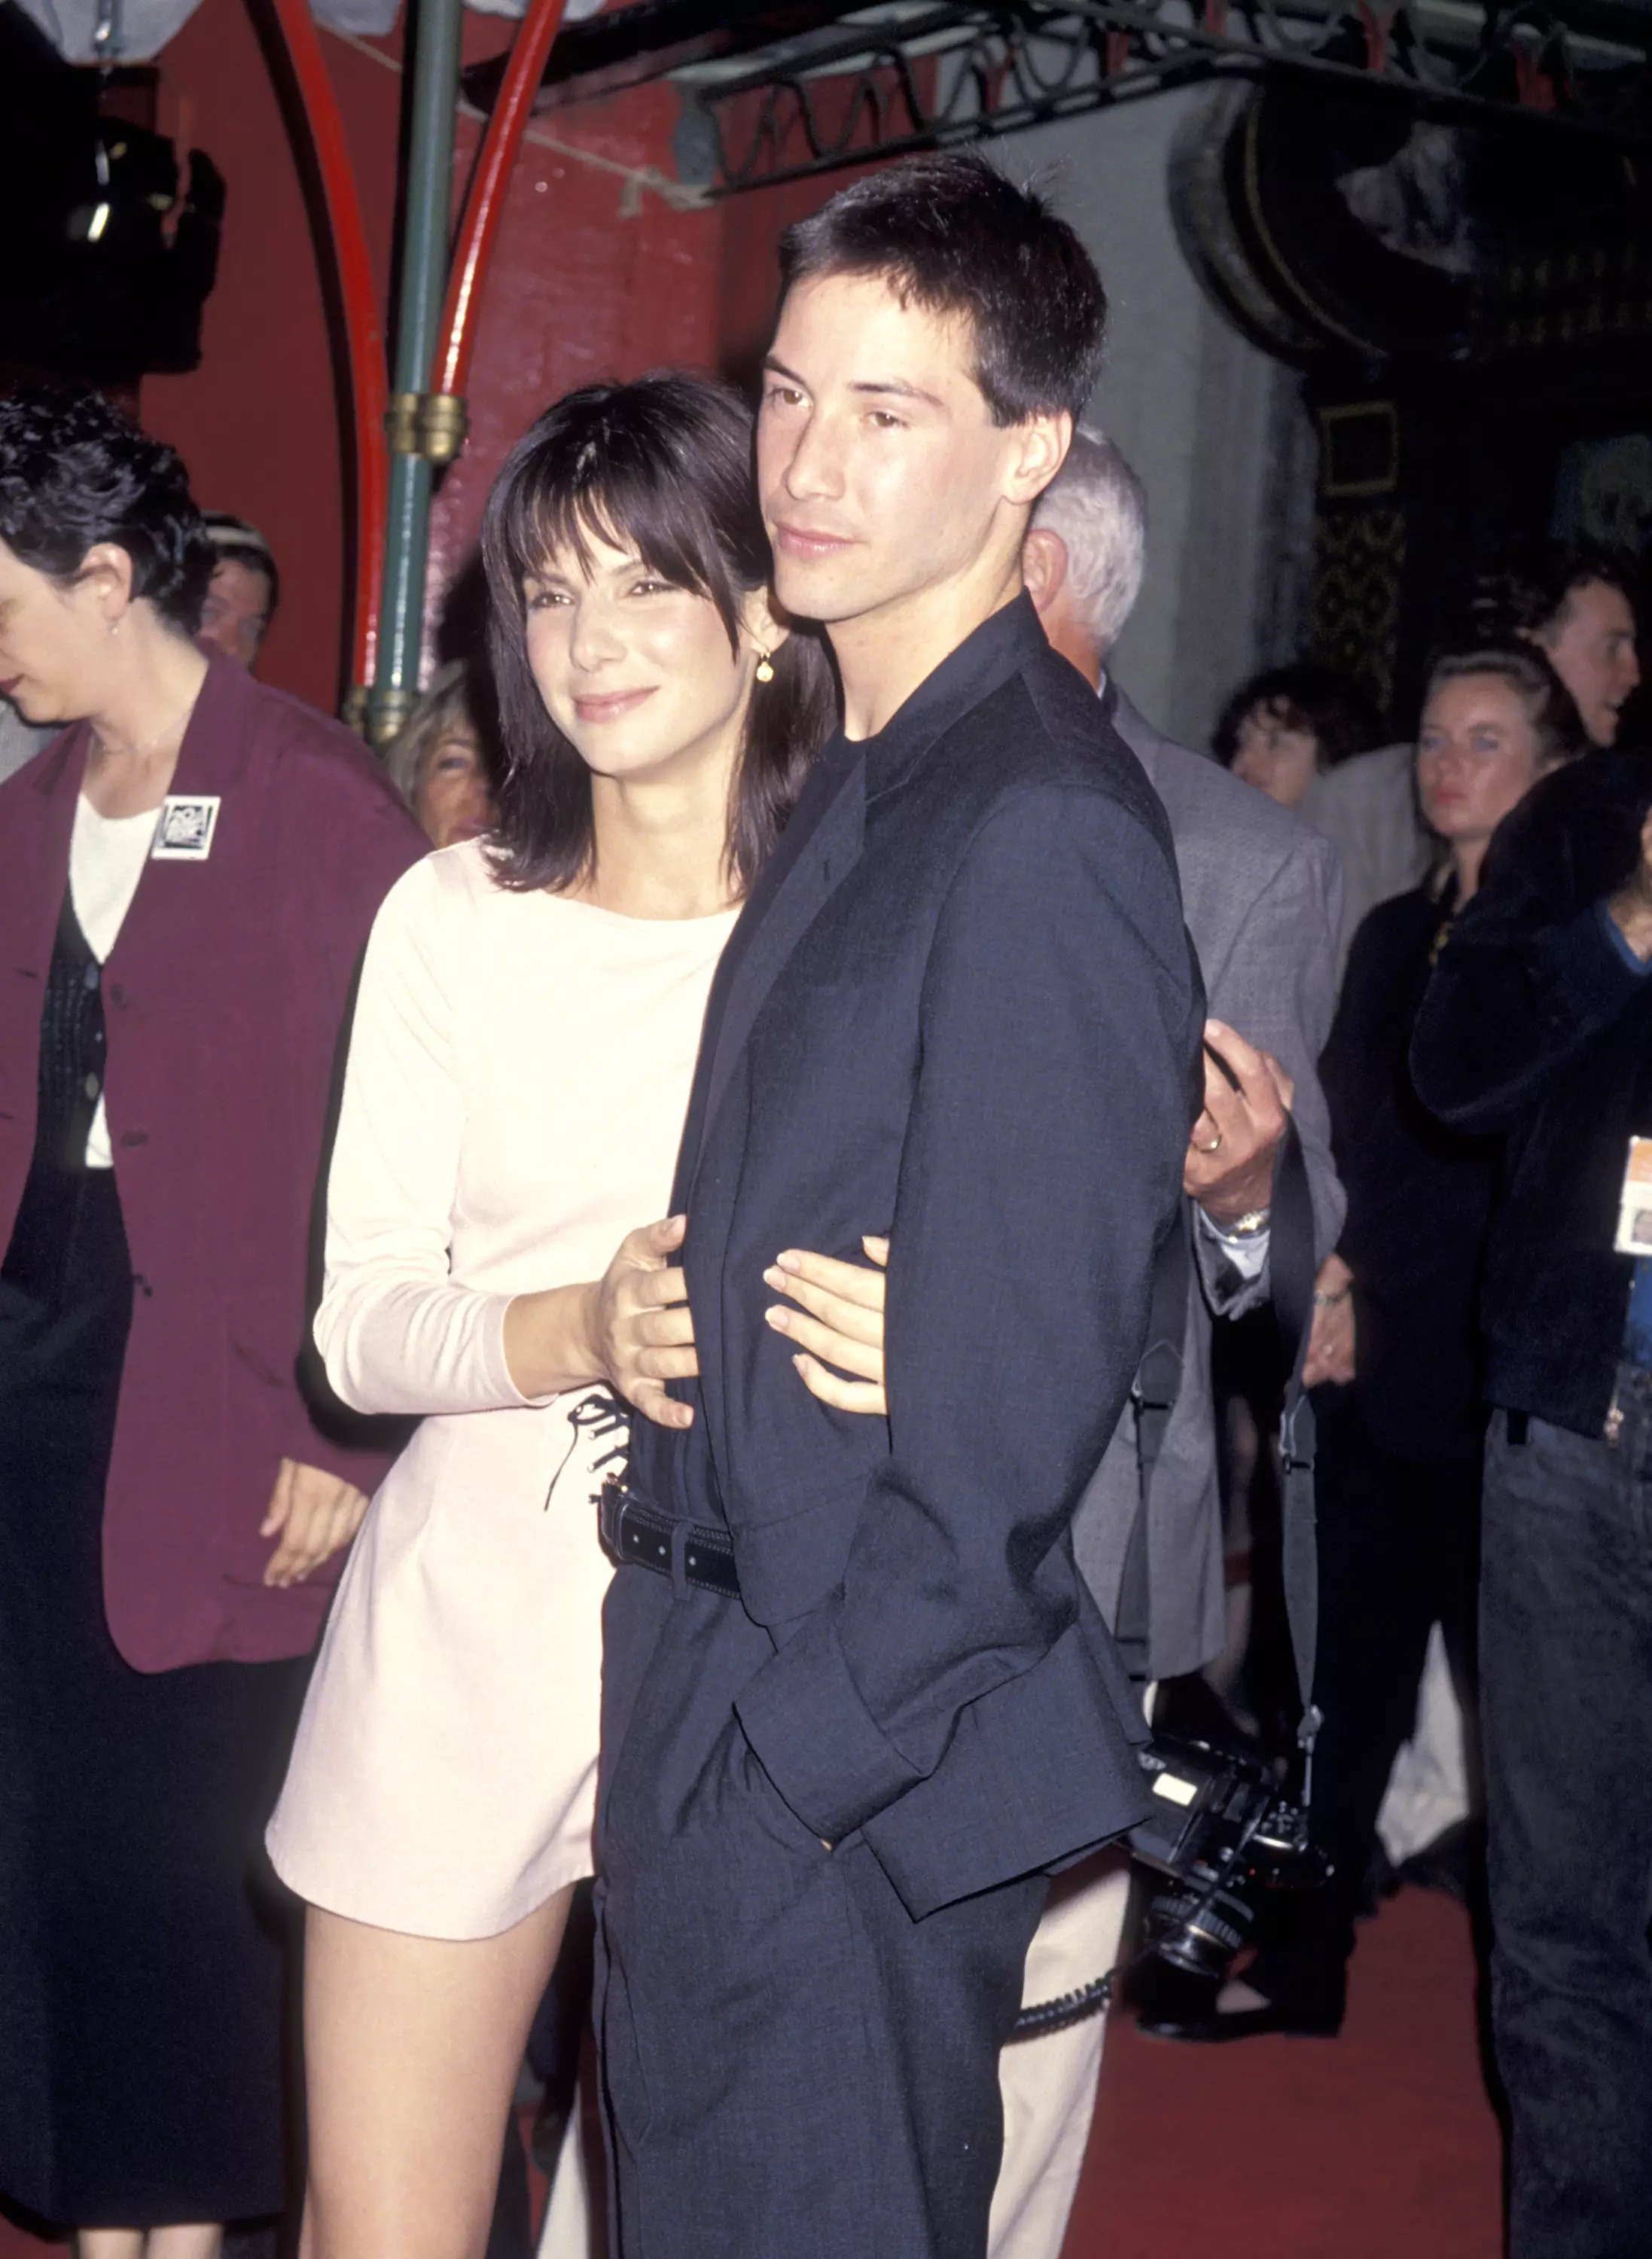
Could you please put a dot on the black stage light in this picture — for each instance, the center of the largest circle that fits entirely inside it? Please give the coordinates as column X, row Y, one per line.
column 106, row 273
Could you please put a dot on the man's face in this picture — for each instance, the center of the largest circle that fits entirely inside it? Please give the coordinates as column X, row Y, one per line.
column 1590, row 646
column 881, row 472
column 236, row 612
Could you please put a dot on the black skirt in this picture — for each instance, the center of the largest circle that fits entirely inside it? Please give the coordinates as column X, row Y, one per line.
column 143, row 1941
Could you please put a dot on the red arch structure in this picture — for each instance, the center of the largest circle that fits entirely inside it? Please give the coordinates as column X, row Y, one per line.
column 347, row 248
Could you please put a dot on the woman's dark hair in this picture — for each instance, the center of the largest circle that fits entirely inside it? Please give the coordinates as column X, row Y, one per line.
column 948, row 231
column 73, row 471
column 662, row 466
column 1547, row 703
column 1315, row 699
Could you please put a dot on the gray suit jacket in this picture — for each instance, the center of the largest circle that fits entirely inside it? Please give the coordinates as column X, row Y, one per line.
column 1261, row 894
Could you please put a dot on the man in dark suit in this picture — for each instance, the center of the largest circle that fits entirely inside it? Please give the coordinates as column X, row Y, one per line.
column 870, row 1700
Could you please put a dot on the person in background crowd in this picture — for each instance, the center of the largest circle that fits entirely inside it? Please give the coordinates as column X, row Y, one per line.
column 1261, row 894
column 187, row 878
column 1537, row 1029
column 244, row 591
column 1283, row 729
column 1400, row 1425
column 1577, row 605
column 437, row 762
column 1298, row 734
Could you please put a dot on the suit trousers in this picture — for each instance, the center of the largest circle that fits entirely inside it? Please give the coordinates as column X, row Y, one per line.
column 1566, row 1699
column 791, row 2062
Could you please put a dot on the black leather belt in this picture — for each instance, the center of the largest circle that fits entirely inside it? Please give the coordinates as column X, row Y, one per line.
column 639, row 1537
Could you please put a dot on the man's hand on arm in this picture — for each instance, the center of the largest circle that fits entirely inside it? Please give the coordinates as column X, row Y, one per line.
column 1228, row 1170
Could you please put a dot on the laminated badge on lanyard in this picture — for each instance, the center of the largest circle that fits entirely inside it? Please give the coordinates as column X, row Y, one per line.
column 184, row 833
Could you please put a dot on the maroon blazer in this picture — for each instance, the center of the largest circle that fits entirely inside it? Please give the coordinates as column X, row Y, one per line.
column 223, row 999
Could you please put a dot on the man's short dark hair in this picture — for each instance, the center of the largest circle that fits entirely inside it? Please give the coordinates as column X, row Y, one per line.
column 74, row 472
column 1528, row 589
column 951, row 233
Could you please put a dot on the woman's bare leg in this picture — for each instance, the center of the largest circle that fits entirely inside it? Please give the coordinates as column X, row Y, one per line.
column 411, row 2049
column 199, row 2240
column 196, row 2240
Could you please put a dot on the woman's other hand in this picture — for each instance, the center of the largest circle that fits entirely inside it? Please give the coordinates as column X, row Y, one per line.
column 316, row 1515
column 631, row 1328
column 642, row 1330
column 839, row 1321
column 1330, row 1355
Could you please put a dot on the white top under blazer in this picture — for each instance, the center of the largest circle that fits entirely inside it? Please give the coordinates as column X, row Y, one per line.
column 517, row 1078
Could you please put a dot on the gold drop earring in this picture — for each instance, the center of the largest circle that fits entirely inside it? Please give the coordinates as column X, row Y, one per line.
column 765, row 667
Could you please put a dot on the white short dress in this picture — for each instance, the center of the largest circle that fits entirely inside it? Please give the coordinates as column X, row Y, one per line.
column 518, row 1075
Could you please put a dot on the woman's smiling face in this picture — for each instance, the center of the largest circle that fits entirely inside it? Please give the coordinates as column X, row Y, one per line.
column 640, row 676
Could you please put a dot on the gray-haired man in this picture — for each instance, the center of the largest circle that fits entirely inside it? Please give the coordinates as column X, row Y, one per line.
column 1261, row 896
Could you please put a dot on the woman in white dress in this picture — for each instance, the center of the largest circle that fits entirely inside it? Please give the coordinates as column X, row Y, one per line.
column 528, row 1015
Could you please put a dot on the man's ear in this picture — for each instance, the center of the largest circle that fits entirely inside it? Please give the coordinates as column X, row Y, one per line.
column 1043, row 565
column 1040, row 449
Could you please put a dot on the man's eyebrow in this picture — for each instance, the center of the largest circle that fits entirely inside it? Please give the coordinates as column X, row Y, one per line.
column 892, row 387
column 889, row 387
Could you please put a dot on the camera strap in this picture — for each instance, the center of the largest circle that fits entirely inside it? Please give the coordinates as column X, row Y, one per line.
column 1153, row 1395
column 1291, row 1274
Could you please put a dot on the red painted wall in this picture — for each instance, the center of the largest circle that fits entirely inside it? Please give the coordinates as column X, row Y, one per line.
column 590, row 278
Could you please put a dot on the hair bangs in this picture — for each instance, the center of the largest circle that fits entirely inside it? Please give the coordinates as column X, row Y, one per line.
column 603, row 487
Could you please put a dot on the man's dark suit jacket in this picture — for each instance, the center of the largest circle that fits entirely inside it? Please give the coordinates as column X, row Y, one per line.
column 961, row 1009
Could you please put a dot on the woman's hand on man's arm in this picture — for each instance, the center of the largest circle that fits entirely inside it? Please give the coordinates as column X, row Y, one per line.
column 839, row 1322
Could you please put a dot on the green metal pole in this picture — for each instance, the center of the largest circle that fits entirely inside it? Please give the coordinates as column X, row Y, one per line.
column 429, row 189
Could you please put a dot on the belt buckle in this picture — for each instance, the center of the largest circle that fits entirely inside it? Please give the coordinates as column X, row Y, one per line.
column 611, row 1502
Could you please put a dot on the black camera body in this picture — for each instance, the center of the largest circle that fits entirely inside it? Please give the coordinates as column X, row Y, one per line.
column 1224, row 1834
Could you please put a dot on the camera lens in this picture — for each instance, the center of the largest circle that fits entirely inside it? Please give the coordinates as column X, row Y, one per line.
column 1200, row 1931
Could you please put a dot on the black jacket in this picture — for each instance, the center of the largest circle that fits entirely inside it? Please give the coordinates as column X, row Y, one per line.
column 1419, row 1196
column 1536, row 1027
column 960, row 1007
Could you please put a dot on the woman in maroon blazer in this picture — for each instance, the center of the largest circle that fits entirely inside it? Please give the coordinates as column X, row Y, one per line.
column 187, row 878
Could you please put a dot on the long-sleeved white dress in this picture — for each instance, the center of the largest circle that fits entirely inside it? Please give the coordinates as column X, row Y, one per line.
column 517, row 1078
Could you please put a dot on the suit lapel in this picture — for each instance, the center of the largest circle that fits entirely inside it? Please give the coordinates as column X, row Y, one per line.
column 819, row 847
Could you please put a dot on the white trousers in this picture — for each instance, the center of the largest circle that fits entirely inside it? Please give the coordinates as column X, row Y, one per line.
column 1049, row 2083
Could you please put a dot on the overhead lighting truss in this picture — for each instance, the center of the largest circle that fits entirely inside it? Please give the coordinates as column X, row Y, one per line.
column 782, row 91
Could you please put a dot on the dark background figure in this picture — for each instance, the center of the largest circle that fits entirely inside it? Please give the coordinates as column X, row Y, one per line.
column 187, row 878
column 243, row 593
column 1577, row 605
column 1392, row 1354
column 1287, row 726
column 1537, row 1028
column 1303, row 734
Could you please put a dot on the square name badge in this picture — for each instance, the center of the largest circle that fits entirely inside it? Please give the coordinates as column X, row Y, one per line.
column 1635, row 1201
column 184, row 834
